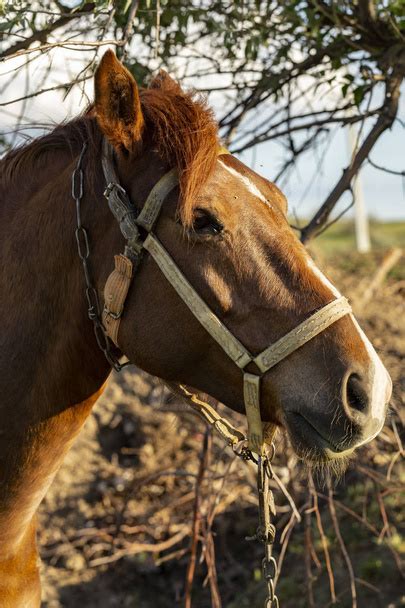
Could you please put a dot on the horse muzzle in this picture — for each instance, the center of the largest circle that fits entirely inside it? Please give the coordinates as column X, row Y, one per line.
column 320, row 434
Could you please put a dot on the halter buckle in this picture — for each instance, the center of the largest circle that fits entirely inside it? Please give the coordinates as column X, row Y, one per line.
column 113, row 186
column 113, row 315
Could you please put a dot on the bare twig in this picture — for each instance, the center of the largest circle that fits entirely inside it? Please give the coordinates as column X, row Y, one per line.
column 196, row 519
column 127, row 33
column 308, row 566
column 385, row 169
column 135, row 548
column 390, row 260
column 288, row 496
column 57, row 87
column 80, row 44
column 285, row 539
column 342, row 545
column 42, row 34
column 323, row 539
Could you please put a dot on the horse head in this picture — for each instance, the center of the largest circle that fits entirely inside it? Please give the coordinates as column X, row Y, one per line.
column 226, row 229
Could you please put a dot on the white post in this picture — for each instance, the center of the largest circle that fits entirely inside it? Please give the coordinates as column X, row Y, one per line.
column 360, row 211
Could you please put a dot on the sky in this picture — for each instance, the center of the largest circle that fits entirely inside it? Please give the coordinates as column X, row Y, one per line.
column 306, row 187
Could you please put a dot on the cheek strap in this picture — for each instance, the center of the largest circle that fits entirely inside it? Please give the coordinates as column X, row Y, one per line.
column 115, row 294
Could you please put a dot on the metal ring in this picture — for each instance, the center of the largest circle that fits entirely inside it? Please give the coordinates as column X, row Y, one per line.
column 92, row 300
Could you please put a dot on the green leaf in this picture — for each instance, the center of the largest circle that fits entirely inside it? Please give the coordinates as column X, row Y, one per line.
column 359, row 94
column 345, row 88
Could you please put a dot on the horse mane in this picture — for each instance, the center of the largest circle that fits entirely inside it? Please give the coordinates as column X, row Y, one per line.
column 180, row 124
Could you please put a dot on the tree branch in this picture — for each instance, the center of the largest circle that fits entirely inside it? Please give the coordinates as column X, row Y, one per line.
column 42, row 35
column 262, row 137
column 89, row 44
column 385, row 169
column 384, row 122
column 127, row 33
column 196, row 518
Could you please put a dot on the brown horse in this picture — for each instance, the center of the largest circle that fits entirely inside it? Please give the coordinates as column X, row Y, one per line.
column 226, row 228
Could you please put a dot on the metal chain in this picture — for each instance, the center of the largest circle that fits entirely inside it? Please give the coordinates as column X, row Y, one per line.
column 237, row 441
column 83, row 249
column 266, row 531
column 267, row 509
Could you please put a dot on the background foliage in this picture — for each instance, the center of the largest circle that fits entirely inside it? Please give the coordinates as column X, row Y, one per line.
column 284, row 71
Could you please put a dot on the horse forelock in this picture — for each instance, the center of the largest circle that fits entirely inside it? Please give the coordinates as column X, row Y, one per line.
column 185, row 134
column 182, row 129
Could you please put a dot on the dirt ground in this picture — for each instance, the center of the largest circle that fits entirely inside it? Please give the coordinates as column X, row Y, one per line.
column 115, row 525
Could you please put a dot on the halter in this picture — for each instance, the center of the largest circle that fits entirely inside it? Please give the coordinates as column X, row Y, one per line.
column 133, row 226
column 106, row 326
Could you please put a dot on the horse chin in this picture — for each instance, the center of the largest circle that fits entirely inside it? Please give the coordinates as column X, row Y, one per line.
column 327, row 467
column 320, row 458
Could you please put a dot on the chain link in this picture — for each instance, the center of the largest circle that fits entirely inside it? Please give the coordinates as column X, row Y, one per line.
column 83, row 249
column 266, row 530
column 267, row 509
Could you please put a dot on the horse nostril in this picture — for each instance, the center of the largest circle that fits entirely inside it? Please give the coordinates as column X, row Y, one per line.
column 356, row 394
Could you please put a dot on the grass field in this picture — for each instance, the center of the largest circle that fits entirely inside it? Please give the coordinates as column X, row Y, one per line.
column 336, row 248
column 340, row 237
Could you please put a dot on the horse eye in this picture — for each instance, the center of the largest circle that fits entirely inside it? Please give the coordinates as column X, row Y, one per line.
column 205, row 223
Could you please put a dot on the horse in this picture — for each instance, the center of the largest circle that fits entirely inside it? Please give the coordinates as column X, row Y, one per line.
column 227, row 231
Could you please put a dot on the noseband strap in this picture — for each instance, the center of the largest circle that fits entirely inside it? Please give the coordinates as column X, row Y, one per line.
column 118, row 284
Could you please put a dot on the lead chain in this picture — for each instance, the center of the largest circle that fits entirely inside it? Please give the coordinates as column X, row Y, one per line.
column 83, row 249
column 266, row 531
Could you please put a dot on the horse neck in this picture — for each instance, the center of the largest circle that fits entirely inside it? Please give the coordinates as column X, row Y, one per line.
column 51, row 369
column 49, row 355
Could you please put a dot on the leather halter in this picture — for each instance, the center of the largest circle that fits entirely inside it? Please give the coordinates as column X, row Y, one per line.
column 118, row 283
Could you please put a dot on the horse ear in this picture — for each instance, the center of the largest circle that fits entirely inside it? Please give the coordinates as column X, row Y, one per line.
column 164, row 81
column 117, row 104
